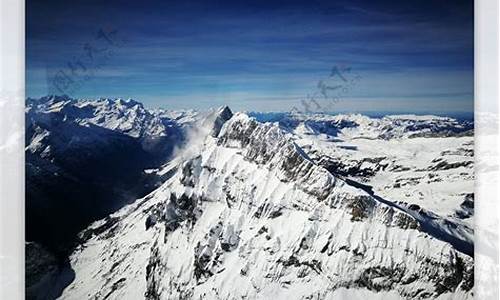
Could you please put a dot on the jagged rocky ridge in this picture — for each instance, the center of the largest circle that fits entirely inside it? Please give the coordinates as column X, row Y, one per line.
column 248, row 214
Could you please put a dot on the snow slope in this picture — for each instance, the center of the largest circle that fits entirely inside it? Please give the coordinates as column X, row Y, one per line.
column 431, row 174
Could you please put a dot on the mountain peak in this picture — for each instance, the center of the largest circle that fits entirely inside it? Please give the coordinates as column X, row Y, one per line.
column 128, row 103
column 224, row 110
column 49, row 99
column 222, row 115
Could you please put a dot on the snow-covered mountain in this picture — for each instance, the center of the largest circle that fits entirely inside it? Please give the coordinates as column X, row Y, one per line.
column 87, row 158
column 361, row 126
column 304, row 208
column 128, row 117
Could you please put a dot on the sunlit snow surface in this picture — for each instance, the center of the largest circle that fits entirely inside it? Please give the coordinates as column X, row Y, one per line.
column 265, row 211
column 416, row 170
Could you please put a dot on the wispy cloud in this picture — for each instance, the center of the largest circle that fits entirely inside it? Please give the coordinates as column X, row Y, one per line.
column 243, row 54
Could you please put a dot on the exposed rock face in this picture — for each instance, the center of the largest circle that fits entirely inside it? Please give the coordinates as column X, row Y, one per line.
column 466, row 209
column 251, row 216
column 39, row 263
column 223, row 115
column 46, row 275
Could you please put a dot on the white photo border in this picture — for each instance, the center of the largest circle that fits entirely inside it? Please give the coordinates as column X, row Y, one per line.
column 12, row 100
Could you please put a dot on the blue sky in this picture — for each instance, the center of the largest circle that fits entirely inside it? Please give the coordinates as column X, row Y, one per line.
column 415, row 56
